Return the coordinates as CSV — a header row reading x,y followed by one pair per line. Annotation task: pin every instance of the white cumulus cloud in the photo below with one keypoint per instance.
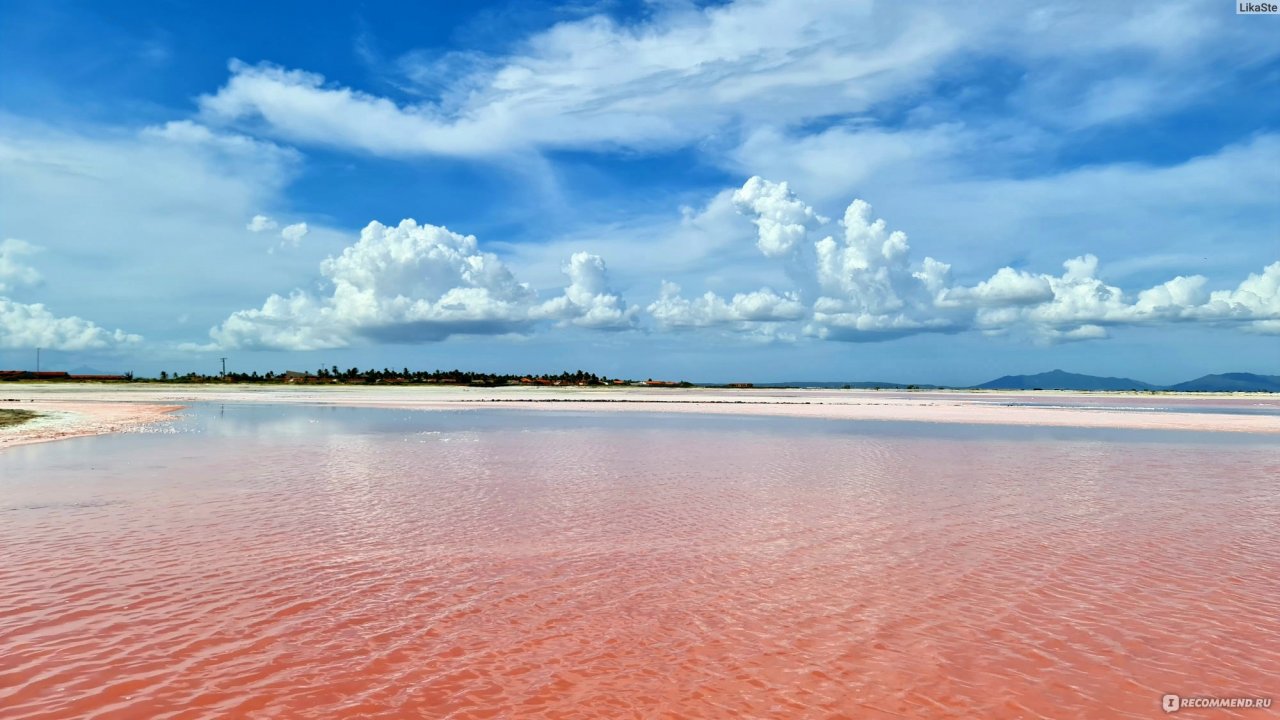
x,y
293,234
290,235
864,286
100,201
741,311
852,279
261,223
782,220
14,271
588,301
420,283
1256,300
1007,287
32,325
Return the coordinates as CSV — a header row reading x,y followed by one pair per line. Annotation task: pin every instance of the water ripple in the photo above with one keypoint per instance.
x,y
638,573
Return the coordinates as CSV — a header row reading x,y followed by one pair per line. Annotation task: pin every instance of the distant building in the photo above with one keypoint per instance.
x,y
56,375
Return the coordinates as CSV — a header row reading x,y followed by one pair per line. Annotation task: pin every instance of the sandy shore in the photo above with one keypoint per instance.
x,y
67,418
84,409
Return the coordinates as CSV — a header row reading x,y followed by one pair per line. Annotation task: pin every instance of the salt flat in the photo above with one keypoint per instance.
x,y
87,409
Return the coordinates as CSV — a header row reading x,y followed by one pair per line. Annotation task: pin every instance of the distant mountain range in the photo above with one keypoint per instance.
x,y
1062,380
87,370
1230,382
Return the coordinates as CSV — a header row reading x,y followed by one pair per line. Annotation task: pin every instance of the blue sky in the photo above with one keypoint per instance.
x,y
652,189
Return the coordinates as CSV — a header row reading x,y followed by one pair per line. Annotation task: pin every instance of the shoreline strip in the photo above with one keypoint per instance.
x,y
68,413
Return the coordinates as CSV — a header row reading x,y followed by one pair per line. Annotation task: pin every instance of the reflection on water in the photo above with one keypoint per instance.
x,y
1128,407
330,562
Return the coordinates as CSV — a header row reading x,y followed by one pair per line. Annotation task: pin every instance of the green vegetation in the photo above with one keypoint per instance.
x,y
387,376
355,376
15,417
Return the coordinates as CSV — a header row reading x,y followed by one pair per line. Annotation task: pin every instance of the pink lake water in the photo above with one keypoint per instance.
x,y
301,562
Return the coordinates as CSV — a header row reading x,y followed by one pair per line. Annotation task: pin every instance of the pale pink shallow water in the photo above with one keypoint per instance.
x,y
318,563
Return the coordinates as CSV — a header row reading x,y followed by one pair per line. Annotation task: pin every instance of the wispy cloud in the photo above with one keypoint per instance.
x,y
32,325
686,74
125,217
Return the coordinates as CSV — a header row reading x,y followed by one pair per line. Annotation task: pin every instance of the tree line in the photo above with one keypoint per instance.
x,y
336,375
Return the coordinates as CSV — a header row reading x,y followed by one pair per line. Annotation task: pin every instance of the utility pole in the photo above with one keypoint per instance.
x,y
224,368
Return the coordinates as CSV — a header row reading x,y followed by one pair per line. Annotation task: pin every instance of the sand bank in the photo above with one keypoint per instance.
x,y
74,410
66,418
